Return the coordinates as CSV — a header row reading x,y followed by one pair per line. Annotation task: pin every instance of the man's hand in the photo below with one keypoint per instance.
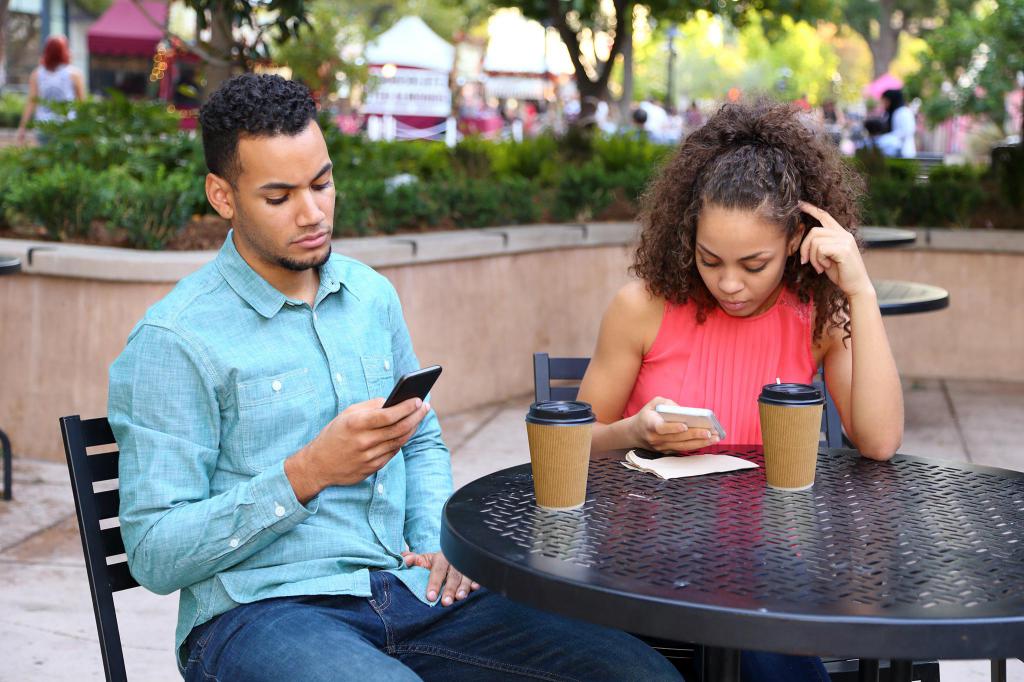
x,y
456,585
356,444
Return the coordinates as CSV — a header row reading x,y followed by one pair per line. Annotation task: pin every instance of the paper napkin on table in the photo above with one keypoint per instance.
x,y
673,466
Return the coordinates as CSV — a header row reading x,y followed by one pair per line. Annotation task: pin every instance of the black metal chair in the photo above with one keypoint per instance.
x,y
99,544
568,372
5,443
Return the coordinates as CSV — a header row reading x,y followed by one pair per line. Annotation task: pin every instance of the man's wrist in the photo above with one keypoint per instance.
x,y
303,475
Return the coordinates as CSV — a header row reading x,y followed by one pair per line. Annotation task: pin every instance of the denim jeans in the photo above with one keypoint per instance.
x,y
393,636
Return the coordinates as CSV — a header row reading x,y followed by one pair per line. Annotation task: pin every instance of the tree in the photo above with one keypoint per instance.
x,y
881,22
583,24
973,63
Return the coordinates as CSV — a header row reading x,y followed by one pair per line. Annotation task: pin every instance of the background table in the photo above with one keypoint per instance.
x,y
886,237
908,559
9,266
896,297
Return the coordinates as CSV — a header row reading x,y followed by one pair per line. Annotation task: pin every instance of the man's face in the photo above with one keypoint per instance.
x,y
282,202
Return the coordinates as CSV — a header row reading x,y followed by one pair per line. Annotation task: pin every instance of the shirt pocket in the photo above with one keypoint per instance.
x,y
276,416
378,372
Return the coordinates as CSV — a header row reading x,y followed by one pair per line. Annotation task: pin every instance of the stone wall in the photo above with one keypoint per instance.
x,y
478,302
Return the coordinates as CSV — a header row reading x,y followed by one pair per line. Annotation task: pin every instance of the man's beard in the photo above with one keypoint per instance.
x,y
299,266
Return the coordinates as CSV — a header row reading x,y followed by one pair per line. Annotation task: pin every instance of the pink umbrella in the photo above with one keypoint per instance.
x,y
886,81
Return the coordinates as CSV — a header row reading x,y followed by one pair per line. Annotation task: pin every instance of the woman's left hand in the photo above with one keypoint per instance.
x,y
830,249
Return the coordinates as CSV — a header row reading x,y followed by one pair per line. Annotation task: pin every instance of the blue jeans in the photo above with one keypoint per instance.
x,y
393,636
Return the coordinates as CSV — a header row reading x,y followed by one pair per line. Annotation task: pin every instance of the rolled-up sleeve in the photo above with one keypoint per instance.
x,y
165,410
427,461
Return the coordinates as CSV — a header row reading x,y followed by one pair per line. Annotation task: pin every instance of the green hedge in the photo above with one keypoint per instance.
x,y
123,167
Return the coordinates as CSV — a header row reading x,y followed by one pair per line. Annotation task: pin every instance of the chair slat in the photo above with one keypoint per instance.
x,y
102,467
97,432
107,504
119,577
564,392
568,368
113,543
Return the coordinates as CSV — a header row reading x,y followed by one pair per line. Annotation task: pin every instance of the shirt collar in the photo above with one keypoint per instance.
x,y
258,292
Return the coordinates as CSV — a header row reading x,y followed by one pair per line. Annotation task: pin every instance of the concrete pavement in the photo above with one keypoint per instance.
x,y
46,619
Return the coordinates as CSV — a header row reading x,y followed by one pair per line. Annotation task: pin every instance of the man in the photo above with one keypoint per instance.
x,y
261,475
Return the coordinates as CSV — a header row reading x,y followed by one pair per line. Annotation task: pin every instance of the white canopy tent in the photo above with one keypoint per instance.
x,y
411,43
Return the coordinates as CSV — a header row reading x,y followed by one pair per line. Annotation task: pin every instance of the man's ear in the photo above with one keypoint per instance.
x,y
220,195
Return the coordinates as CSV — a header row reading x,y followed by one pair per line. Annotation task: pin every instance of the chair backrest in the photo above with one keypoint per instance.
x,y
98,543
546,369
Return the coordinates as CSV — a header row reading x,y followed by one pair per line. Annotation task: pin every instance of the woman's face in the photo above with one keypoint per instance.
x,y
741,258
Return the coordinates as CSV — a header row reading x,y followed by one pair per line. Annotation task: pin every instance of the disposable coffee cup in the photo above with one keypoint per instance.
x,y
790,428
559,432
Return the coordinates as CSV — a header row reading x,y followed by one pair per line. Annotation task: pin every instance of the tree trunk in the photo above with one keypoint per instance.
x,y
4,4
221,43
626,101
886,45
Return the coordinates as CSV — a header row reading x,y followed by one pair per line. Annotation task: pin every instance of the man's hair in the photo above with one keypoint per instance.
x,y
251,105
757,156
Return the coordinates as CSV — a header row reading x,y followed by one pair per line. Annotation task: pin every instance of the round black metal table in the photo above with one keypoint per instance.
x,y
907,559
9,266
886,237
896,297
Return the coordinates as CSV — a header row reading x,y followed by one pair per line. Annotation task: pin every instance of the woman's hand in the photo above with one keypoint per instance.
x,y
654,433
830,249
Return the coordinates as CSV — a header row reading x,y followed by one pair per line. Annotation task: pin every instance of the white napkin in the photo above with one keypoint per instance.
x,y
673,466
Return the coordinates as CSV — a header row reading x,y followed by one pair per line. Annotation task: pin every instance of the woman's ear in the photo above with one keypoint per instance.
x,y
798,237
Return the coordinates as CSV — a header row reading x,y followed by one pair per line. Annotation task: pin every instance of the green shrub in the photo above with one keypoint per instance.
x,y
64,199
951,196
12,104
582,192
472,202
150,213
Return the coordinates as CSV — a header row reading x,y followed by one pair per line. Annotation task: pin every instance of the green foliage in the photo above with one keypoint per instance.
x,y
151,212
11,106
64,199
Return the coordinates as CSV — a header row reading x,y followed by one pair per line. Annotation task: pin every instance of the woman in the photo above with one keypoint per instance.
x,y
54,80
899,139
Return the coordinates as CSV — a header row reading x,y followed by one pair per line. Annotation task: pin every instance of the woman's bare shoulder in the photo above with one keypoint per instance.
x,y
636,313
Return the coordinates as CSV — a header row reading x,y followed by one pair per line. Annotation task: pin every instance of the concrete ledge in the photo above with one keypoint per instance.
x,y
130,265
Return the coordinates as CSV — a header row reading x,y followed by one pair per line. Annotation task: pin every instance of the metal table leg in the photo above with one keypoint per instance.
x,y
721,665
5,442
901,671
999,670
867,670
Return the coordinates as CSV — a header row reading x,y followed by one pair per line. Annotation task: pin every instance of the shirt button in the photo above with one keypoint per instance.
x,y
380,488
234,542
278,510
387,364
337,376
276,385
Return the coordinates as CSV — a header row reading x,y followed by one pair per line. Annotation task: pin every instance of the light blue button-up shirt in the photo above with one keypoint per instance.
x,y
220,382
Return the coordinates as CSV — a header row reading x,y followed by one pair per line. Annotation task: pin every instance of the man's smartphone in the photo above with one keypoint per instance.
x,y
693,417
413,385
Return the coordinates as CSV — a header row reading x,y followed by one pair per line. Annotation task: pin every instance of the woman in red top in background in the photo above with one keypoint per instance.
x,y
749,270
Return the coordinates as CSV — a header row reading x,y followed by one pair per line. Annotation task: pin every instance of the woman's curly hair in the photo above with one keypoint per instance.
x,y
759,156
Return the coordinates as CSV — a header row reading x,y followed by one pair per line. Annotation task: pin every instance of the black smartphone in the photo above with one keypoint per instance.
x,y
413,385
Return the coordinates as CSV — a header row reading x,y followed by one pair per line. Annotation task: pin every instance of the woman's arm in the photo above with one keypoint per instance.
x,y
78,82
628,330
860,371
30,104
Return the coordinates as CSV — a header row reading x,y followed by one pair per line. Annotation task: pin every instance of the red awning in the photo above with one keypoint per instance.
x,y
123,30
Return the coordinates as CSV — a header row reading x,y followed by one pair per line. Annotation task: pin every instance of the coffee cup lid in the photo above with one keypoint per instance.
x,y
791,394
560,412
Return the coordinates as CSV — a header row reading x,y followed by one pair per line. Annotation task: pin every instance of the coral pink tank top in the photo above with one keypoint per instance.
x,y
723,363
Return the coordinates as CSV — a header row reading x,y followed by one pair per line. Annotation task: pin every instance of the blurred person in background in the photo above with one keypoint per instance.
x,y
898,139
54,80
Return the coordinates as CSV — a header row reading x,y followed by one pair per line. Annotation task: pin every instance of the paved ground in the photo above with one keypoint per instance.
x,y
46,620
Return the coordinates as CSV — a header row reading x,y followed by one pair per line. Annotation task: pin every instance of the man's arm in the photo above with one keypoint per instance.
x,y
164,409
427,464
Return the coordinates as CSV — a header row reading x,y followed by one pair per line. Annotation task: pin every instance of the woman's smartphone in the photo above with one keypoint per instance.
x,y
693,417
413,385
